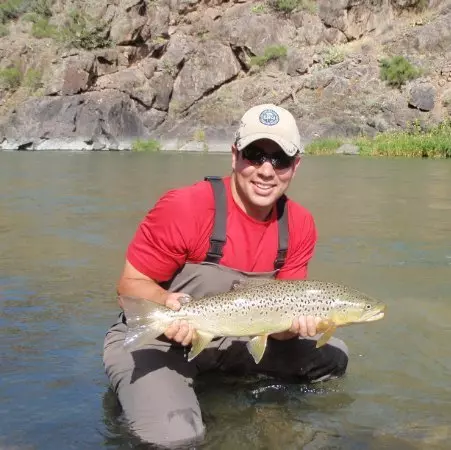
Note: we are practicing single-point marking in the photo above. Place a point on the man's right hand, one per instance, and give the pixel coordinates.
(179, 331)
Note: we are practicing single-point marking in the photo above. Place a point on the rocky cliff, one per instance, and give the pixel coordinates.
(99, 74)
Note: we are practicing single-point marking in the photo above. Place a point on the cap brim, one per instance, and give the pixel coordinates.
(285, 145)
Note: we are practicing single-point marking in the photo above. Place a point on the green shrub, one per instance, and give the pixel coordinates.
(272, 52)
(82, 31)
(398, 70)
(12, 9)
(199, 135)
(259, 8)
(289, 6)
(42, 8)
(150, 145)
(415, 141)
(4, 30)
(323, 146)
(32, 79)
(43, 29)
(10, 78)
(333, 55)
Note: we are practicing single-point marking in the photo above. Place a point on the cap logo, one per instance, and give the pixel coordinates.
(269, 117)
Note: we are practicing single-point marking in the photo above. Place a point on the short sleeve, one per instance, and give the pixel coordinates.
(159, 247)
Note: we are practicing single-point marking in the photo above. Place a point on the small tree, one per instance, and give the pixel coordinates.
(397, 70)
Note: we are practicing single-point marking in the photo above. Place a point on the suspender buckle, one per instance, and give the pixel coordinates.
(214, 253)
(280, 260)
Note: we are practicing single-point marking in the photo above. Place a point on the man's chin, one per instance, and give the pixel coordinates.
(261, 201)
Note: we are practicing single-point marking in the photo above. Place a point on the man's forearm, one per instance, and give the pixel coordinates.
(142, 288)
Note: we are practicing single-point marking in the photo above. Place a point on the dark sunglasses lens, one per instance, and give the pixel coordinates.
(282, 161)
(257, 156)
(254, 155)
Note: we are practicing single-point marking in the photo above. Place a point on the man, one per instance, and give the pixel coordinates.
(199, 240)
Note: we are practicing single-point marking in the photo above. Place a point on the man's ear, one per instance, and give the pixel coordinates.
(297, 163)
(234, 156)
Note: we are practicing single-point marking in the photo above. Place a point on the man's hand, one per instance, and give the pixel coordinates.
(179, 330)
(305, 325)
(302, 326)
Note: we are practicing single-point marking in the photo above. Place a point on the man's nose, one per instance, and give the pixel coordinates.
(266, 169)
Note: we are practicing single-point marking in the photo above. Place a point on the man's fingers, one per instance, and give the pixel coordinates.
(173, 303)
(303, 331)
(182, 332)
(189, 336)
(176, 300)
(295, 326)
(311, 326)
(172, 329)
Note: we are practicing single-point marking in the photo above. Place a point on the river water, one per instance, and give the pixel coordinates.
(384, 227)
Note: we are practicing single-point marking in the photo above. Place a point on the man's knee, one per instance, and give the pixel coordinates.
(179, 429)
(300, 358)
(332, 363)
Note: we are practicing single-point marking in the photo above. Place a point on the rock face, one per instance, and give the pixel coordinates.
(167, 69)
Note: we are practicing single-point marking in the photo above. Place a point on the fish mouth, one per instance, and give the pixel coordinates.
(375, 316)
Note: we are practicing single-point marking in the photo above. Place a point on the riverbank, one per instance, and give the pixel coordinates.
(413, 142)
(416, 141)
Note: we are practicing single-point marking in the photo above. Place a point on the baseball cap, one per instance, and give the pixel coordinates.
(268, 121)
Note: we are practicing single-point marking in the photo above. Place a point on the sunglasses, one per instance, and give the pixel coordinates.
(257, 157)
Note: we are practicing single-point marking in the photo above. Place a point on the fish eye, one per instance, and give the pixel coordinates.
(368, 306)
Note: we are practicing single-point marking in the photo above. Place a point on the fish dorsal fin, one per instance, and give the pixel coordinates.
(249, 282)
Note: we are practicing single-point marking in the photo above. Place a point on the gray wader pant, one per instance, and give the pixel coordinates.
(154, 385)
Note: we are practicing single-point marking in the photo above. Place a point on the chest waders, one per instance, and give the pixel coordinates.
(154, 385)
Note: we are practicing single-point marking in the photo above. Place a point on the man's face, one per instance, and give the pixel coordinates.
(262, 174)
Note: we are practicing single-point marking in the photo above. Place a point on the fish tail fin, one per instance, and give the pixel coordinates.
(146, 320)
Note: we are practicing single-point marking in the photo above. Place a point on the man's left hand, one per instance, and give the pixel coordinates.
(302, 326)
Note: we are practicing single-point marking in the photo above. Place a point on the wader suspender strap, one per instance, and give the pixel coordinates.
(218, 237)
(282, 223)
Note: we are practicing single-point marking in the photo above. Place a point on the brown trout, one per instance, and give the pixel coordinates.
(254, 308)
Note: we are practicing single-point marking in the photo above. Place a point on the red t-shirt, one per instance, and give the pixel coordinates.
(178, 228)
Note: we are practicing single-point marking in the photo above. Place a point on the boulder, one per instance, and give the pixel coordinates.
(130, 81)
(355, 18)
(211, 66)
(348, 149)
(435, 36)
(70, 75)
(128, 23)
(242, 28)
(422, 96)
(101, 120)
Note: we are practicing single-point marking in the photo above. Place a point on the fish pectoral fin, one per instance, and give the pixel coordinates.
(257, 347)
(200, 341)
(329, 329)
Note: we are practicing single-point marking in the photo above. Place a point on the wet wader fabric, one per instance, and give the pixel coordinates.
(155, 384)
